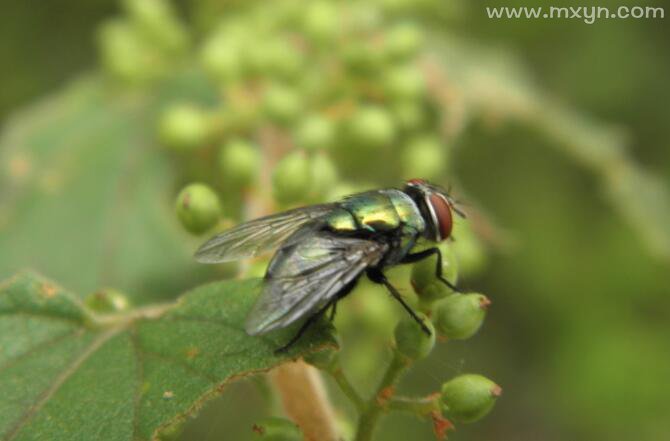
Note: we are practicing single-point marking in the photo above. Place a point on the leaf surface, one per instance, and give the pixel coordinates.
(67, 374)
(86, 196)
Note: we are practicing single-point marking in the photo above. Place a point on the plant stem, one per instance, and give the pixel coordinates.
(416, 406)
(367, 421)
(348, 389)
(305, 401)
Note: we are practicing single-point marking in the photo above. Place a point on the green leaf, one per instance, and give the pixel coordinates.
(67, 374)
(87, 197)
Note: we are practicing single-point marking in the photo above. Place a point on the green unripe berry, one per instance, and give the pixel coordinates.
(424, 156)
(324, 175)
(460, 316)
(320, 21)
(467, 398)
(198, 208)
(184, 127)
(221, 59)
(468, 248)
(282, 104)
(404, 83)
(106, 301)
(292, 178)
(125, 54)
(409, 115)
(156, 20)
(411, 341)
(403, 41)
(371, 127)
(239, 162)
(427, 286)
(315, 132)
(276, 429)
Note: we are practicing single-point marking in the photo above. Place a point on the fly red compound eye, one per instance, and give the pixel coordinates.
(442, 211)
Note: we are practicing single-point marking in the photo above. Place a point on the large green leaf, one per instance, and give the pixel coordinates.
(67, 374)
(86, 194)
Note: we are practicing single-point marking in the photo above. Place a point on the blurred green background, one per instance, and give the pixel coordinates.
(578, 272)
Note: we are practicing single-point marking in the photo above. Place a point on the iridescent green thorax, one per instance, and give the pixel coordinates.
(377, 211)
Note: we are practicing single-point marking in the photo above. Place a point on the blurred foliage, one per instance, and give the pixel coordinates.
(578, 330)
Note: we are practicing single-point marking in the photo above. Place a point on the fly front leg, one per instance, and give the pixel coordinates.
(415, 257)
(377, 276)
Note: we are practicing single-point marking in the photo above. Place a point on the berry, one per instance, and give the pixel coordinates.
(292, 178)
(467, 398)
(239, 162)
(460, 316)
(371, 127)
(107, 301)
(315, 132)
(424, 156)
(198, 208)
(424, 281)
(410, 339)
(184, 127)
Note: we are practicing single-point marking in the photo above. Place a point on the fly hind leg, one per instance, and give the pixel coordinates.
(377, 276)
(313, 318)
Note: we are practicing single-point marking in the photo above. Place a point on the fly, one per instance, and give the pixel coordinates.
(323, 250)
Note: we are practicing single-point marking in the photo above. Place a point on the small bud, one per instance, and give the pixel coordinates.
(460, 316)
(403, 41)
(425, 156)
(158, 21)
(425, 282)
(107, 301)
(124, 54)
(184, 127)
(239, 162)
(411, 341)
(291, 179)
(324, 176)
(467, 398)
(405, 83)
(315, 133)
(276, 429)
(221, 59)
(371, 127)
(320, 21)
(409, 115)
(282, 104)
(198, 208)
(468, 248)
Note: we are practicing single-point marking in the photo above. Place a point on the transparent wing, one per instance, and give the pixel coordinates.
(305, 276)
(258, 235)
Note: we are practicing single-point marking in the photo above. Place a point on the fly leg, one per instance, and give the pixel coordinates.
(333, 311)
(309, 322)
(412, 258)
(377, 276)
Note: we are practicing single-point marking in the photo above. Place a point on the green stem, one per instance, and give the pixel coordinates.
(367, 421)
(348, 389)
(417, 406)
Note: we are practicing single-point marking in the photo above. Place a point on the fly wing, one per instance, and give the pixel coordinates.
(259, 235)
(305, 276)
